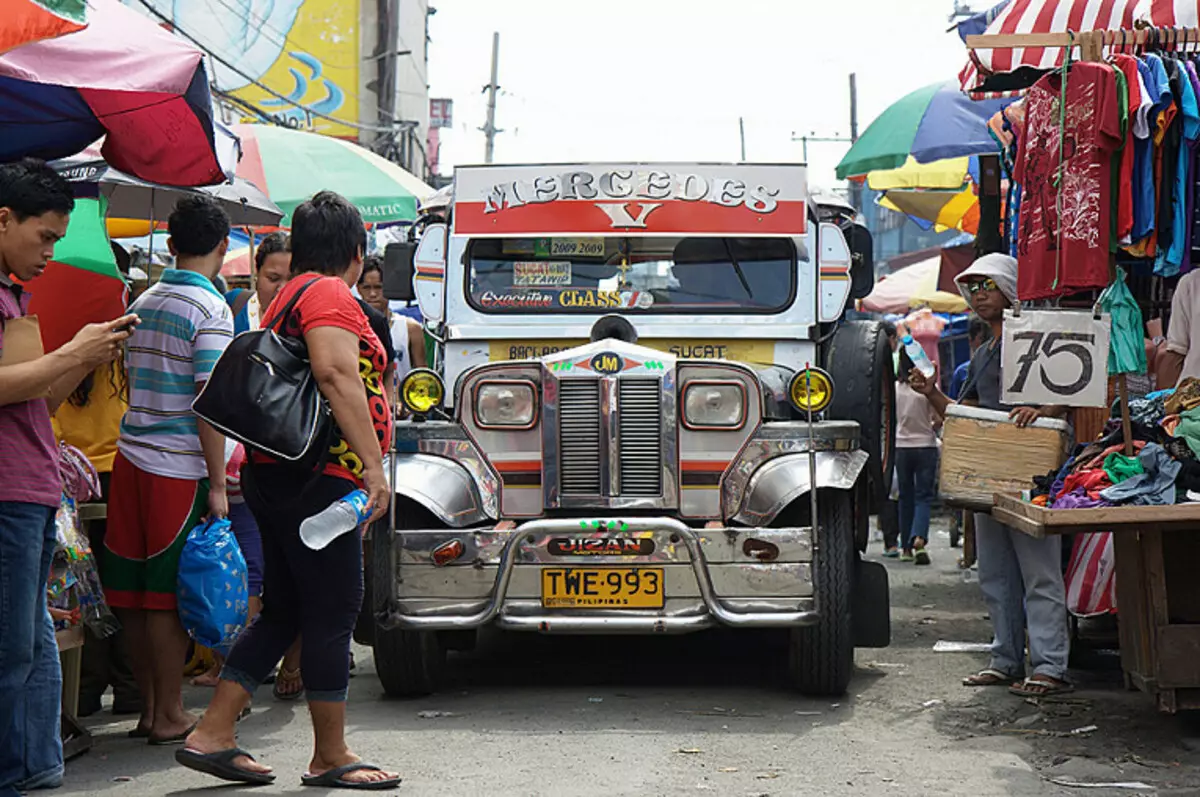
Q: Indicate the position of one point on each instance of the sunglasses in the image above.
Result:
(985, 284)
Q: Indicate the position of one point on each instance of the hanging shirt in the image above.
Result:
(1170, 260)
(1159, 92)
(1128, 66)
(1172, 143)
(1189, 185)
(1117, 188)
(1091, 134)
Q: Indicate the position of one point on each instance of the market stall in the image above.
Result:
(1103, 159)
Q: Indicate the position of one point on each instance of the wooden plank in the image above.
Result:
(1179, 656)
(1020, 522)
(1038, 521)
(1009, 41)
(1132, 620)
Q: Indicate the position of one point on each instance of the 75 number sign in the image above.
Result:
(1055, 357)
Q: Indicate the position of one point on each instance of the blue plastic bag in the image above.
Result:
(213, 594)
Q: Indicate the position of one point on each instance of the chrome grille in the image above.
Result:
(639, 429)
(579, 436)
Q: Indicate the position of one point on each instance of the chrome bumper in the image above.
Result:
(504, 551)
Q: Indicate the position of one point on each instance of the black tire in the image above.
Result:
(859, 359)
(408, 663)
(821, 656)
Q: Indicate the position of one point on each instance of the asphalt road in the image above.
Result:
(528, 715)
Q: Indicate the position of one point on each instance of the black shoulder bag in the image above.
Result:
(262, 393)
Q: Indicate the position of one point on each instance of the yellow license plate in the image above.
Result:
(602, 588)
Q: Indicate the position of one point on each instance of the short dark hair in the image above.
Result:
(327, 234)
(273, 244)
(197, 225)
(29, 187)
(371, 263)
(978, 329)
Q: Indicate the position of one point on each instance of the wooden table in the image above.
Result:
(1158, 597)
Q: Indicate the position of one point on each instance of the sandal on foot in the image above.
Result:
(220, 765)
(139, 733)
(1041, 687)
(989, 677)
(921, 557)
(335, 778)
(906, 556)
(288, 677)
(178, 738)
(891, 553)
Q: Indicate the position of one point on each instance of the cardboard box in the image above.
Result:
(984, 453)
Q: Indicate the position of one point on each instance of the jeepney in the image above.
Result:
(647, 415)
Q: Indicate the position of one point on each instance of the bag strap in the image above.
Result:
(287, 311)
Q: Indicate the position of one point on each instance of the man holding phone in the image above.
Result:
(35, 203)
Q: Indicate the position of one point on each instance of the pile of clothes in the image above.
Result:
(1163, 470)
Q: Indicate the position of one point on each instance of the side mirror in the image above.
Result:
(862, 259)
(398, 272)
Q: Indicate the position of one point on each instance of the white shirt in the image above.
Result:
(914, 419)
(1183, 335)
(400, 344)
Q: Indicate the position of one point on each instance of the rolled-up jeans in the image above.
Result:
(1022, 583)
(31, 754)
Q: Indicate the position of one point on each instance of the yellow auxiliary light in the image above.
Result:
(421, 391)
(811, 390)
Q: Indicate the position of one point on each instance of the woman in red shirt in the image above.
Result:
(348, 361)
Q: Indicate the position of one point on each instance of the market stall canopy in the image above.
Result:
(123, 78)
(1056, 16)
(27, 21)
(291, 166)
(913, 286)
(932, 123)
(131, 198)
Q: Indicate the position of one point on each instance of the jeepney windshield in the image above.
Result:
(634, 274)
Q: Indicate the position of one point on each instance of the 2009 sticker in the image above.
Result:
(541, 274)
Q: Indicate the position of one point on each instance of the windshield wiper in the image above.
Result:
(737, 269)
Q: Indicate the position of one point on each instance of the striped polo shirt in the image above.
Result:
(186, 324)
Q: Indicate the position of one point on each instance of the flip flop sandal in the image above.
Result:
(1038, 687)
(220, 765)
(177, 739)
(335, 778)
(139, 733)
(287, 677)
(921, 557)
(892, 553)
(989, 677)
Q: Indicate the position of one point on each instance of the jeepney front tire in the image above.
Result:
(821, 656)
(408, 663)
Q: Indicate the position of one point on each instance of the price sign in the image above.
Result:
(1055, 357)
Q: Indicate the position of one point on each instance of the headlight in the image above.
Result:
(811, 390)
(714, 405)
(508, 404)
(422, 391)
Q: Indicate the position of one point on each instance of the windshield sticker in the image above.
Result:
(540, 274)
(569, 247)
(518, 246)
(581, 297)
(528, 300)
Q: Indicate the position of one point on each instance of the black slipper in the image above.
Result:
(335, 778)
(177, 739)
(220, 765)
(138, 733)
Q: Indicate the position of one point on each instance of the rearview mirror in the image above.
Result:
(398, 272)
(862, 259)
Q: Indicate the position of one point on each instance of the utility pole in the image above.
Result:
(742, 133)
(855, 188)
(489, 130)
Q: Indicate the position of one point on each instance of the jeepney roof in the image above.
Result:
(621, 199)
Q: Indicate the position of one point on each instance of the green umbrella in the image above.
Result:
(290, 166)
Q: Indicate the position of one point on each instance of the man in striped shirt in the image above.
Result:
(169, 471)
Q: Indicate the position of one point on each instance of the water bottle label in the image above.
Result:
(358, 499)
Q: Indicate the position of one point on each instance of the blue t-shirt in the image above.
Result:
(241, 321)
(959, 379)
(1144, 201)
(1168, 263)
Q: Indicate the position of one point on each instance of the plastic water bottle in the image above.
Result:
(918, 356)
(334, 520)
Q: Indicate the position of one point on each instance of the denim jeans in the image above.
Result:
(31, 753)
(1022, 582)
(916, 470)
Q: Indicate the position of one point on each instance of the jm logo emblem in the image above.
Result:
(622, 213)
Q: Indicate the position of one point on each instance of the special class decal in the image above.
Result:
(601, 546)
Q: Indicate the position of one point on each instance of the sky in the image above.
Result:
(667, 80)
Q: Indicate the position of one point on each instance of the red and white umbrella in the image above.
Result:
(1060, 16)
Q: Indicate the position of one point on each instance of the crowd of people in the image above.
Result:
(121, 392)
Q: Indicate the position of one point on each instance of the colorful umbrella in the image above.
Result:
(946, 210)
(237, 262)
(82, 284)
(943, 174)
(932, 123)
(291, 166)
(913, 286)
(122, 77)
(29, 21)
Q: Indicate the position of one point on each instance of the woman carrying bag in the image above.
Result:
(328, 242)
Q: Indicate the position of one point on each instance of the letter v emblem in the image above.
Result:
(619, 213)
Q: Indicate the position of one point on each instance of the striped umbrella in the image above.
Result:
(1060, 16)
(237, 261)
(81, 284)
(27, 21)
(292, 165)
